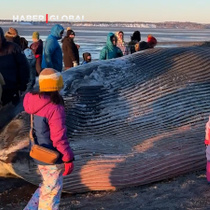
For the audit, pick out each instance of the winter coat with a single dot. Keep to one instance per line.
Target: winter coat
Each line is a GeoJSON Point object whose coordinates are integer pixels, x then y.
{"type": "Point", "coordinates": [70, 52]}
{"type": "Point", "coordinates": [14, 69]}
{"type": "Point", "coordinates": [15, 39]}
{"type": "Point", "coordinates": [37, 48]}
{"type": "Point", "coordinates": [121, 44]}
{"type": "Point", "coordinates": [110, 51]}
{"type": "Point", "coordinates": [52, 54]}
{"type": "Point", "coordinates": [135, 39]}
{"type": "Point", "coordinates": [141, 46]}
{"type": "Point", "coordinates": [49, 125]}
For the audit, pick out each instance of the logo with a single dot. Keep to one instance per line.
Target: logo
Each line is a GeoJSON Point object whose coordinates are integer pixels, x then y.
{"type": "Point", "coordinates": [47, 18]}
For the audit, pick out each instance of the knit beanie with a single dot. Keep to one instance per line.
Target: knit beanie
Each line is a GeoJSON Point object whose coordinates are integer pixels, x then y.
{"type": "Point", "coordinates": [35, 35]}
{"type": "Point", "coordinates": [152, 41]}
{"type": "Point", "coordinates": [70, 32]}
{"type": "Point", "coordinates": [50, 80]}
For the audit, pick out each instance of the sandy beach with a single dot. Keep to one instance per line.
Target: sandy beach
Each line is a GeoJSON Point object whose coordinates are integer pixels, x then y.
{"type": "Point", "coordinates": [189, 191]}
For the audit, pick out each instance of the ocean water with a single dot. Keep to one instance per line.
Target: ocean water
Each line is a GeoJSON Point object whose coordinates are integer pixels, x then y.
{"type": "Point", "coordinates": [93, 39]}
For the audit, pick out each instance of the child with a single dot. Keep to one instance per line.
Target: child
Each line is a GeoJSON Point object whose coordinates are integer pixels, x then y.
{"type": "Point", "coordinates": [86, 58]}
{"type": "Point", "coordinates": [207, 143]}
{"type": "Point", "coordinates": [31, 61]}
{"type": "Point", "coordinates": [49, 130]}
{"type": "Point", "coordinates": [37, 48]}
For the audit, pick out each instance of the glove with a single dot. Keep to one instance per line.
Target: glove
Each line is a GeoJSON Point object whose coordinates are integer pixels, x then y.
{"type": "Point", "coordinates": [68, 156]}
{"type": "Point", "coordinates": [75, 63]}
{"type": "Point", "coordinates": [69, 167]}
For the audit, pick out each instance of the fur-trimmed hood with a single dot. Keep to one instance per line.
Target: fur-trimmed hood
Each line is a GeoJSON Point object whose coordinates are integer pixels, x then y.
{"type": "Point", "coordinates": [12, 33]}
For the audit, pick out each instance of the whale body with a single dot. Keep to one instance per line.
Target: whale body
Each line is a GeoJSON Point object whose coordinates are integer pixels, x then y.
{"type": "Point", "coordinates": [131, 121]}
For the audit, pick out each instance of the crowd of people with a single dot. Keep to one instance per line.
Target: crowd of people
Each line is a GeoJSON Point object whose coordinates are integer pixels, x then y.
{"type": "Point", "coordinates": [18, 72]}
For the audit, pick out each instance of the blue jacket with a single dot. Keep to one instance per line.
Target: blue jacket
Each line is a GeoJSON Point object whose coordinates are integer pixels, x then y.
{"type": "Point", "coordinates": [52, 54]}
{"type": "Point", "coordinates": [110, 51]}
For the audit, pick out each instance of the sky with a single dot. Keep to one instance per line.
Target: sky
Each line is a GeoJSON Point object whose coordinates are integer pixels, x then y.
{"type": "Point", "coordinates": [112, 10]}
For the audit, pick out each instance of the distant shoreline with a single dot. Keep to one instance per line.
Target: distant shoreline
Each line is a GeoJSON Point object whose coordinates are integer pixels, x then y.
{"type": "Point", "coordinates": [146, 25]}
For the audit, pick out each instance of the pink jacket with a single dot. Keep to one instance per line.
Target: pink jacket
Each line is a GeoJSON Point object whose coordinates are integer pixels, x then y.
{"type": "Point", "coordinates": [45, 111]}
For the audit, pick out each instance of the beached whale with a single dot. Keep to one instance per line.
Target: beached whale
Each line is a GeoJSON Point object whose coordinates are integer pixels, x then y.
{"type": "Point", "coordinates": [131, 121]}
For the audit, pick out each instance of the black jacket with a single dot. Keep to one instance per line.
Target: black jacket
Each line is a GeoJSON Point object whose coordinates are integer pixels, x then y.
{"type": "Point", "coordinates": [70, 52]}
{"type": "Point", "coordinates": [14, 68]}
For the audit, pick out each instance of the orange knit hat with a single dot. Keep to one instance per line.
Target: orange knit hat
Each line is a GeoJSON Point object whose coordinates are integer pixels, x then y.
{"type": "Point", "coordinates": [50, 80]}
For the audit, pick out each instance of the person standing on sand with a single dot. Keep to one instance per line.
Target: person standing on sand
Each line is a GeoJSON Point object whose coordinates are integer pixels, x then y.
{"type": "Point", "coordinates": [111, 50]}
{"type": "Point", "coordinates": [12, 36]}
{"type": "Point", "coordinates": [70, 50]}
{"type": "Point", "coordinates": [31, 61]}
{"type": "Point", "coordinates": [52, 54]}
{"type": "Point", "coordinates": [120, 42]}
{"type": "Point", "coordinates": [69, 28]}
{"type": "Point", "coordinates": [46, 108]}
{"type": "Point", "coordinates": [37, 48]}
{"type": "Point", "coordinates": [14, 69]}
{"type": "Point", "coordinates": [135, 38]}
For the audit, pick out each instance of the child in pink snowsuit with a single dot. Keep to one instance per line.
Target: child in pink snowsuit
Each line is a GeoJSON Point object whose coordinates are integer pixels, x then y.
{"type": "Point", "coordinates": [49, 130]}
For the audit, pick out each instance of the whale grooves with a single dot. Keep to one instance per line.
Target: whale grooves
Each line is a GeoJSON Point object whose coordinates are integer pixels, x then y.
{"type": "Point", "coordinates": [131, 121]}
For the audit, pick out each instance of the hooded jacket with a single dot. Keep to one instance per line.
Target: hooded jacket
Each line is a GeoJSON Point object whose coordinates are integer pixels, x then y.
{"type": "Point", "coordinates": [49, 125]}
{"type": "Point", "coordinates": [110, 51]}
{"type": "Point", "coordinates": [14, 69]}
{"type": "Point", "coordinates": [85, 59]}
{"type": "Point", "coordinates": [37, 48]}
{"type": "Point", "coordinates": [52, 54]}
